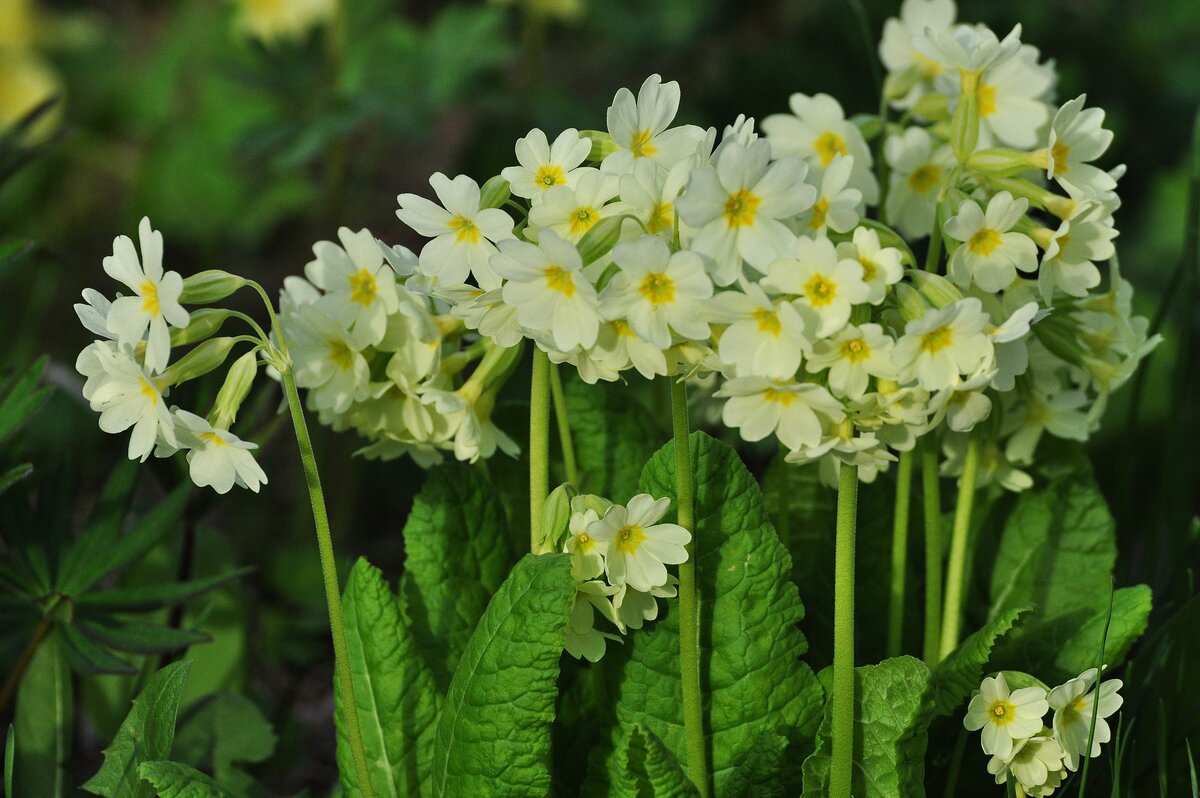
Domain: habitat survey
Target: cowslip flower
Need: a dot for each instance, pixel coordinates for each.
(571, 212)
(837, 205)
(464, 235)
(1073, 704)
(818, 131)
(547, 286)
(587, 554)
(1069, 262)
(155, 301)
(1036, 763)
(216, 457)
(911, 73)
(736, 207)
(1011, 108)
(1005, 717)
(583, 640)
(968, 49)
(326, 359)
(127, 395)
(634, 607)
(881, 266)
(640, 127)
(1077, 137)
(360, 289)
(639, 547)
(658, 292)
(757, 407)
(919, 167)
(819, 280)
(990, 255)
(853, 356)
(944, 344)
(765, 337)
(544, 165)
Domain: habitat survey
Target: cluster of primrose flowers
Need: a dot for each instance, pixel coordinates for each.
(1014, 734)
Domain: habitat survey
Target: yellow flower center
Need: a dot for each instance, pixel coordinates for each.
(363, 288)
(937, 339)
(584, 542)
(926, 66)
(1060, 152)
(149, 391)
(740, 208)
(984, 242)
(987, 99)
(341, 354)
(560, 280)
(828, 146)
(820, 290)
(629, 539)
(768, 321)
(869, 269)
(657, 289)
(465, 230)
(819, 212)
(856, 350)
(548, 176)
(784, 398)
(212, 438)
(623, 329)
(641, 145)
(1002, 712)
(583, 219)
(149, 292)
(662, 218)
(925, 177)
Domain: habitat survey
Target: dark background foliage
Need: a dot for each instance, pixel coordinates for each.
(244, 155)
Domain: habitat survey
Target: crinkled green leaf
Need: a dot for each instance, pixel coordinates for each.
(750, 642)
(643, 767)
(613, 436)
(960, 672)
(493, 737)
(760, 774)
(458, 554)
(145, 736)
(893, 705)
(177, 780)
(397, 700)
(221, 730)
(43, 723)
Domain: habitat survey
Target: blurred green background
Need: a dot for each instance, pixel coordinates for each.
(248, 130)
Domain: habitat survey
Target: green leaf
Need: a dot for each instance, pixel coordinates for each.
(644, 766)
(145, 736)
(960, 672)
(176, 780)
(893, 705)
(100, 551)
(10, 754)
(493, 737)
(458, 554)
(153, 597)
(613, 436)
(136, 636)
(396, 698)
(42, 725)
(222, 729)
(21, 397)
(760, 774)
(749, 611)
(14, 475)
(87, 656)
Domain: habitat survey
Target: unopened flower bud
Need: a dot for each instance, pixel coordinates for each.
(602, 144)
(209, 286)
(936, 288)
(604, 235)
(556, 517)
(201, 324)
(234, 390)
(912, 306)
(494, 193)
(204, 358)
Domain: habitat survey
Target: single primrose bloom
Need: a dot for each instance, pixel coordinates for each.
(991, 253)
(216, 457)
(944, 344)
(572, 211)
(639, 547)
(1073, 704)
(126, 395)
(765, 337)
(820, 281)
(544, 165)
(1005, 717)
(360, 289)
(797, 413)
(818, 131)
(919, 168)
(640, 128)
(658, 292)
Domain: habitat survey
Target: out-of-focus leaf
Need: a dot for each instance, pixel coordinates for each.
(14, 475)
(222, 730)
(614, 435)
(137, 637)
(463, 42)
(152, 597)
(21, 397)
(43, 724)
(10, 755)
(87, 656)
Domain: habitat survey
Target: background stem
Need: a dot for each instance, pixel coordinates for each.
(932, 500)
(564, 426)
(689, 603)
(956, 567)
(841, 770)
(899, 553)
(333, 593)
(539, 445)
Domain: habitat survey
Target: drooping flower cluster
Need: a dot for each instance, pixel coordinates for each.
(129, 373)
(619, 555)
(1013, 730)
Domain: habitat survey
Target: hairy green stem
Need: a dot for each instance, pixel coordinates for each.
(956, 567)
(899, 553)
(539, 445)
(932, 494)
(333, 594)
(689, 602)
(564, 426)
(841, 769)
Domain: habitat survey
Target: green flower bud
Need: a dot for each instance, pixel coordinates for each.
(933, 107)
(1060, 333)
(209, 286)
(590, 501)
(234, 390)
(912, 306)
(204, 358)
(604, 235)
(556, 517)
(999, 162)
(964, 126)
(870, 125)
(899, 84)
(494, 193)
(602, 144)
(935, 288)
(201, 324)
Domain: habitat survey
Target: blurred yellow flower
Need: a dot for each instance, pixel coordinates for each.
(273, 20)
(17, 24)
(26, 80)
